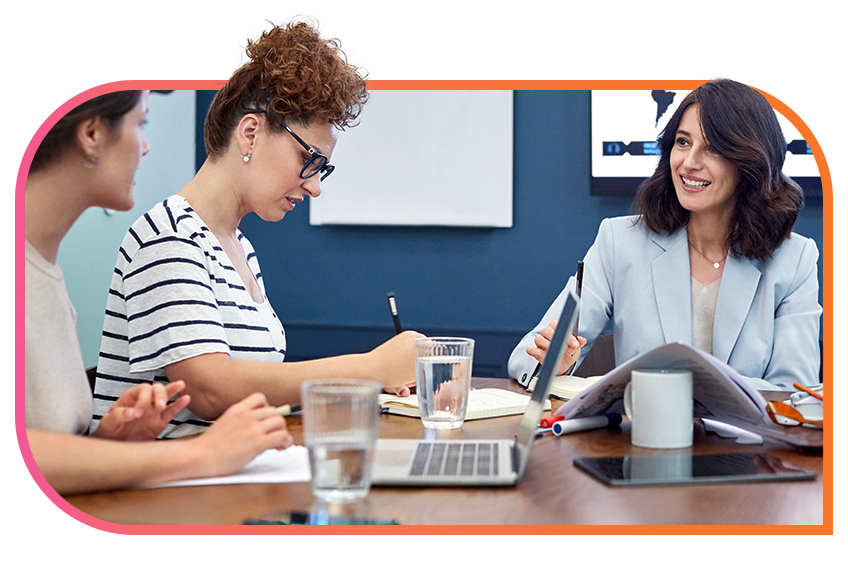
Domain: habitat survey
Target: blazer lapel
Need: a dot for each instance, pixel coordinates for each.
(672, 287)
(738, 286)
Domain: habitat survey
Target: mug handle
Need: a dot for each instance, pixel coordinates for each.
(627, 401)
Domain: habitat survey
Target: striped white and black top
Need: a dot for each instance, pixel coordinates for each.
(175, 295)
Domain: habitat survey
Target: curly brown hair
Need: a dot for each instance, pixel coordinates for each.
(741, 126)
(294, 76)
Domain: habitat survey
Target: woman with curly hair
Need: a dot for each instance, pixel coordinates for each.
(187, 300)
(709, 259)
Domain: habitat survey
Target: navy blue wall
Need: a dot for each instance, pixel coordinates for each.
(328, 283)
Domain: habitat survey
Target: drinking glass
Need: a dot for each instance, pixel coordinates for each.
(340, 423)
(443, 379)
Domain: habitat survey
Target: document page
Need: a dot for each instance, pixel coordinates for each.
(719, 391)
(271, 466)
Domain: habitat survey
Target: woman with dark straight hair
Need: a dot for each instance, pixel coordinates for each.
(89, 158)
(743, 130)
(709, 257)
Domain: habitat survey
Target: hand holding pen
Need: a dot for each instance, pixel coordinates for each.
(542, 341)
(409, 388)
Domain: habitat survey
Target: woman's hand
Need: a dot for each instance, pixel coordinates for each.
(393, 363)
(141, 413)
(543, 341)
(244, 430)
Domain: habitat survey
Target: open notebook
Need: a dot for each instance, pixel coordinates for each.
(482, 404)
(567, 387)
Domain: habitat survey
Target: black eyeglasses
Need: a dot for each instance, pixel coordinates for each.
(317, 163)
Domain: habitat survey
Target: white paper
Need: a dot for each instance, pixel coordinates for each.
(720, 392)
(272, 466)
(725, 430)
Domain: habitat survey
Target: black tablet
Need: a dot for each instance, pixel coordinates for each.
(683, 468)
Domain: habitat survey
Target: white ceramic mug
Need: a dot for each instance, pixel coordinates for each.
(659, 406)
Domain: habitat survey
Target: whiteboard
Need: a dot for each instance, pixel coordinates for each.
(423, 158)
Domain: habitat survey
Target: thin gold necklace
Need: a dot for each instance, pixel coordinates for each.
(716, 264)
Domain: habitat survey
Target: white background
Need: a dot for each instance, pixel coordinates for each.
(53, 51)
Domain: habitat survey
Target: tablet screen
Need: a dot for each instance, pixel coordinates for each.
(685, 468)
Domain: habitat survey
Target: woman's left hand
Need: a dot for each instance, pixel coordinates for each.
(141, 413)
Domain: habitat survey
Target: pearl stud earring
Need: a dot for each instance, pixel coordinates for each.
(246, 158)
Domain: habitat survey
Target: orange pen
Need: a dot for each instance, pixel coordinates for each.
(806, 389)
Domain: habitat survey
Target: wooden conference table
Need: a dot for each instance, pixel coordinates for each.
(552, 492)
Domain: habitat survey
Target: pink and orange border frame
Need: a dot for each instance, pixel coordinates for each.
(827, 256)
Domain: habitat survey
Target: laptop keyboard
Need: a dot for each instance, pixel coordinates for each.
(455, 459)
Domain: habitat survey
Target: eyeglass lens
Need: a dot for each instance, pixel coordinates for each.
(317, 164)
(313, 166)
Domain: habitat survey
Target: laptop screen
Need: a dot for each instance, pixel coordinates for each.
(527, 431)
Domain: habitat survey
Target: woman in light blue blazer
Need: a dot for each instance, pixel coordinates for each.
(709, 258)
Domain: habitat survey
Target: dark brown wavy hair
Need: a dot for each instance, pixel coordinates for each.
(740, 125)
(293, 75)
(111, 107)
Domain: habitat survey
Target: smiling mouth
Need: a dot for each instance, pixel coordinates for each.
(688, 183)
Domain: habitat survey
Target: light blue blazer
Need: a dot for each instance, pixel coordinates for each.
(767, 312)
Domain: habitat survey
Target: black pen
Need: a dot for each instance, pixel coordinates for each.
(579, 292)
(393, 309)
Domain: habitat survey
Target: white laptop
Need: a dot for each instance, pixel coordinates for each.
(474, 462)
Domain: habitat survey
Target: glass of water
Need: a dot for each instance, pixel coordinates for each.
(340, 422)
(443, 379)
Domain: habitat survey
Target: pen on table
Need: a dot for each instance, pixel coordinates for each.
(286, 410)
(810, 390)
(393, 308)
(576, 425)
(548, 422)
(577, 318)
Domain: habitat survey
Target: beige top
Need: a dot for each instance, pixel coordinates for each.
(704, 299)
(58, 397)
